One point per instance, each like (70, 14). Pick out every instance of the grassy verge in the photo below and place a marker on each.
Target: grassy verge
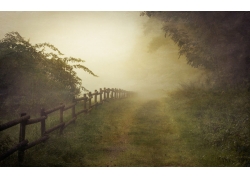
(214, 123)
(192, 127)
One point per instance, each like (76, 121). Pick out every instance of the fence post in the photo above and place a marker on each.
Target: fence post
(85, 102)
(90, 97)
(112, 90)
(21, 138)
(104, 98)
(115, 93)
(61, 117)
(108, 93)
(42, 113)
(96, 92)
(100, 95)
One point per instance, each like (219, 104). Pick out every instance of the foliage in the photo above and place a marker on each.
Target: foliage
(32, 75)
(217, 119)
(217, 41)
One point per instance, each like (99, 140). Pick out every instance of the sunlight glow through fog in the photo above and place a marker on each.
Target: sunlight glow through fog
(115, 46)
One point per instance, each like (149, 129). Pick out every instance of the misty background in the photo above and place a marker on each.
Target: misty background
(133, 51)
(124, 49)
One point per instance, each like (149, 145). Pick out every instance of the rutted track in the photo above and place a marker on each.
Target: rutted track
(128, 132)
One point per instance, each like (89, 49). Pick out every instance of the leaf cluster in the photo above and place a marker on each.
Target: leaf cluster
(35, 74)
(216, 41)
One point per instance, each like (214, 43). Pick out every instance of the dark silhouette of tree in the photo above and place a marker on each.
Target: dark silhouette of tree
(37, 74)
(217, 41)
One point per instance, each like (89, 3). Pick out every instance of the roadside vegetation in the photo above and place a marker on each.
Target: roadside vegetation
(35, 76)
(191, 127)
(215, 123)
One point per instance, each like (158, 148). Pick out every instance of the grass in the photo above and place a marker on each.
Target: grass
(191, 127)
(215, 123)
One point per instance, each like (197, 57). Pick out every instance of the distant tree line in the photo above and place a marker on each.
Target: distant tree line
(32, 75)
(216, 41)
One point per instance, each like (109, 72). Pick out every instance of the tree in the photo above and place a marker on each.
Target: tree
(217, 41)
(34, 75)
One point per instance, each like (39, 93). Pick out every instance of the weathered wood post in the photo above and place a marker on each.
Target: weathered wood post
(85, 102)
(90, 97)
(108, 90)
(96, 93)
(115, 93)
(112, 93)
(42, 113)
(61, 117)
(22, 138)
(104, 97)
(101, 95)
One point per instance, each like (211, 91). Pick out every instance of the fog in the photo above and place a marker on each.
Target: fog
(124, 49)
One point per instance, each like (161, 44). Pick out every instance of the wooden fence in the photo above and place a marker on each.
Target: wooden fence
(105, 95)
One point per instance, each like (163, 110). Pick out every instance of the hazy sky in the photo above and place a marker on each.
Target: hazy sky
(124, 49)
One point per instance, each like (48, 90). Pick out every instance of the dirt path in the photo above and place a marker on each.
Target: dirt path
(124, 133)
(142, 134)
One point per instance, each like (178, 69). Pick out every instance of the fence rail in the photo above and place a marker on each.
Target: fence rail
(105, 95)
